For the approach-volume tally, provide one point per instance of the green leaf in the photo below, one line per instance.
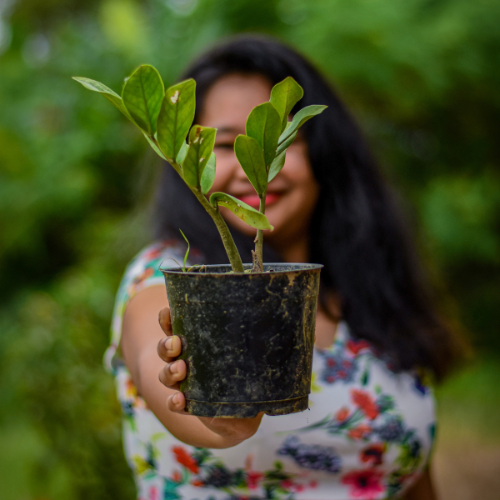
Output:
(284, 96)
(153, 145)
(282, 147)
(245, 212)
(201, 145)
(176, 116)
(181, 155)
(264, 125)
(187, 251)
(109, 94)
(276, 166)
(208, 176)
(252, 161)
(142, 95)
(301, 117)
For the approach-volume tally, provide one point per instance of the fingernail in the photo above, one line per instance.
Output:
(168, 344)
(176, 398)
(173, 368)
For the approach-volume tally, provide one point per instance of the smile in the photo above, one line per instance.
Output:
(254, 201)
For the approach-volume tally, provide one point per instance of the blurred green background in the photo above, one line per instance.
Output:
(422, 77)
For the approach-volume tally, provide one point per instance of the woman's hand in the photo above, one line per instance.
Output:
(230, 429)
(174, 370)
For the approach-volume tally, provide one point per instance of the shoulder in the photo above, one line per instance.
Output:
(143, 272)
(144, 269)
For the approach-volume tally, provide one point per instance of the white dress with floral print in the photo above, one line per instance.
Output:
(368, 432)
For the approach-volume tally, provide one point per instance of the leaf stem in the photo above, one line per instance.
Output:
(225, 234)
(259, 241)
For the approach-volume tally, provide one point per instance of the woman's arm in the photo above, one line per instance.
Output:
(142, 341)
(422, 489)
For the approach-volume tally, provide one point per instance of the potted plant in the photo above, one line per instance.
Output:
(247, 329)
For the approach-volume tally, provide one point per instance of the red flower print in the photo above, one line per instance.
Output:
(357, 345)
(373, 453)
(342, 414)
(365, 402)
(184, 458)
(153, 253)
(286, 484)
(176, 476)
(359, 432)
(364, 484)
(198, 483)
(153, 493)
(253, 479)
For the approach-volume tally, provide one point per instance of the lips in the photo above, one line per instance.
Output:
(254, 201)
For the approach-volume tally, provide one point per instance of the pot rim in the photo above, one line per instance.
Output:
(177, 269)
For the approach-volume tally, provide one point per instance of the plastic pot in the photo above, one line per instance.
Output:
(247, 339)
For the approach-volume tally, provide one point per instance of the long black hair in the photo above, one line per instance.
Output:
(357, 231)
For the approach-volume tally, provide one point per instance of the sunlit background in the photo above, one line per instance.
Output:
(423, 79)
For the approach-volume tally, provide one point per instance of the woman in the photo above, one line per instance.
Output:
(370, 427)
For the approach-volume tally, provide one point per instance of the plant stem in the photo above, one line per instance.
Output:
(259, 241)
(227, 239)
(225, 234)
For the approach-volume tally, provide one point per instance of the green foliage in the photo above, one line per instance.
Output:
(142, 95)
(264, 125)
(176, 117)
(201, 145)
(284, 96)
(278, 163)
(243, 211)
(171, 113)
(186, 255)
(208, 175)
(109, 94)
(301, 117)
(251, 159)
(75, 180)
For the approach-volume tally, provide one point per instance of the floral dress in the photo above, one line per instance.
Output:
(368, 432)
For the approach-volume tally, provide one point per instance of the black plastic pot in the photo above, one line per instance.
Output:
(247, 338)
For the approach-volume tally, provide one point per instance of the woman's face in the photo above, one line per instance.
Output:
(291, 195)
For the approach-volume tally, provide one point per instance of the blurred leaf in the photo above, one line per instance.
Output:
(201, 145)
(284, 96)
(264, 125)
(142, 96)
(243, 211)
(251, 159)
(176, 117)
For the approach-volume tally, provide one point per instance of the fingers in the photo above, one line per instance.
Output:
(165, 320)
(175, 370)
(169, 348)
(173, 373)
(176, 403)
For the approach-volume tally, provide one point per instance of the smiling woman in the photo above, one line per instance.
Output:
(370, 427)
(291, 196)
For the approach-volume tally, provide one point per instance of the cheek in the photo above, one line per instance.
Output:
(298, 169)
